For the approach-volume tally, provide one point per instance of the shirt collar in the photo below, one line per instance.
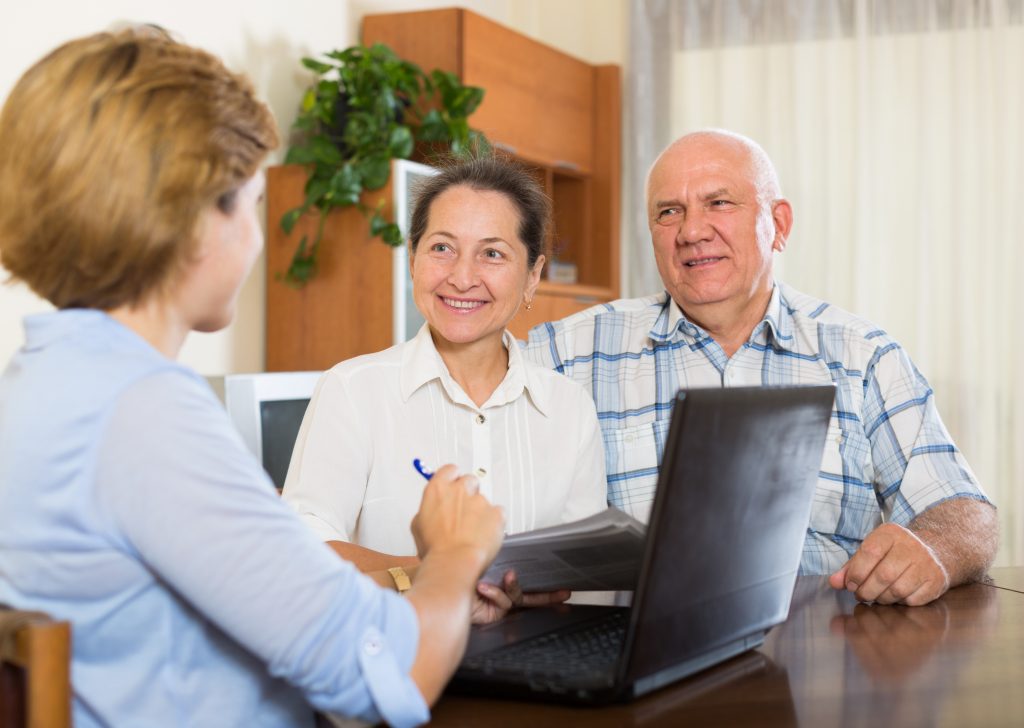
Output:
(43, 329)
(421, 363)
(777, 322)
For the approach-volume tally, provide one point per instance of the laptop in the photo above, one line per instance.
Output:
(720, 561)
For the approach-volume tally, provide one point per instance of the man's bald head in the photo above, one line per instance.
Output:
(761, 171)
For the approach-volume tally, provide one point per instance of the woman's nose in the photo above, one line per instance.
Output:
(463, 274)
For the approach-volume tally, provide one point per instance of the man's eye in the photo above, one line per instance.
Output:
(669, 214)
(721, 203)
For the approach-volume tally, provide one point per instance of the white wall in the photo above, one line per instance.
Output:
(265, 39)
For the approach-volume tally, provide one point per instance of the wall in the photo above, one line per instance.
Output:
(265, 39)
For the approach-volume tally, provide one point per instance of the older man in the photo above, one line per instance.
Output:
(897, 516)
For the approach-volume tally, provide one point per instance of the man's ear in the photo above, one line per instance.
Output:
(782, 216)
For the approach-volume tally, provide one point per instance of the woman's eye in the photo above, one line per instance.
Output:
(439, 248)
(492, 254)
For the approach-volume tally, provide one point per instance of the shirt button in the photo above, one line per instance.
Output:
(629, 438)
(480, 419)
(372, 647)
(480, 472)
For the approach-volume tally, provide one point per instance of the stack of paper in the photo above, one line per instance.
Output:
(599, 553)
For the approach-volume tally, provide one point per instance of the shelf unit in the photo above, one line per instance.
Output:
(556, 114)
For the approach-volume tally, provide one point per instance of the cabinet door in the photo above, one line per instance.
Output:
(538, 101)
(548, 307)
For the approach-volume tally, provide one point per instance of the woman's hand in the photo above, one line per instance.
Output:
(455, 518)
(493, 602)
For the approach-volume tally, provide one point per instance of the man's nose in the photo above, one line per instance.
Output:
(695, 227)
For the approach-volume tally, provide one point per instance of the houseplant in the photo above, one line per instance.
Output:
(367, 107)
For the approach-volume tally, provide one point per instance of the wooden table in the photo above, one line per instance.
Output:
(958, 661)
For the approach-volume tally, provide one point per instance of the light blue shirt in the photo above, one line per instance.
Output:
(888, 456)
(130, 507)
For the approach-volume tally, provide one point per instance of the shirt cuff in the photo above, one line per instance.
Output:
(385, 660)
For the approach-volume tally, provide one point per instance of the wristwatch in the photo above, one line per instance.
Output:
(402, 583)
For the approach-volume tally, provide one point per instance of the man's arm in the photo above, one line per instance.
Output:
(951, 543)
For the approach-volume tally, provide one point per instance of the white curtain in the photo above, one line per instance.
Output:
(898, 132)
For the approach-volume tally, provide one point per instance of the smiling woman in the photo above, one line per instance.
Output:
(459, 392)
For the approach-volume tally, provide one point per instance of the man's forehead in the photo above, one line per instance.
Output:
(699, 177)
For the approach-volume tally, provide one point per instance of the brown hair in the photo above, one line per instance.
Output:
(113, 145)
(492, 175)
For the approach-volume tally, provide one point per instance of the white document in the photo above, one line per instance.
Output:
(599, 553)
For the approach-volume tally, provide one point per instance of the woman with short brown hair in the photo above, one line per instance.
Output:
(129, 170)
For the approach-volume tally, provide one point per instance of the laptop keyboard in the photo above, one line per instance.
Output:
(584, 654)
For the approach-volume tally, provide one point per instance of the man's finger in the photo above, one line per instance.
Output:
(904, 586)
(886, 572)
(862, 563)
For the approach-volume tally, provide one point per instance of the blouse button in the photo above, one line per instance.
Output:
(480, 419)
(480, 472)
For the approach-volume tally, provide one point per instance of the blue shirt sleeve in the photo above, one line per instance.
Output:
(183, 495)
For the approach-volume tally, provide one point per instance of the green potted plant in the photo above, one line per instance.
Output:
(367, 107)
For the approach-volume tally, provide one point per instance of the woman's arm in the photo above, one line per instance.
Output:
(458, 533)
(368, 560)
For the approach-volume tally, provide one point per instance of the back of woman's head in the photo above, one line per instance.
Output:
(489, 174)
(113, 145)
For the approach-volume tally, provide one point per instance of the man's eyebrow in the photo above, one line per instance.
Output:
(667, 203)
(720, 192)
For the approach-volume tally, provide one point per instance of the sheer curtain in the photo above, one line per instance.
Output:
(898, 132)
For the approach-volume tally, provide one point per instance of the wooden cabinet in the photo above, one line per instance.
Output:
(346, 309)
(555, 113)
(559, 116)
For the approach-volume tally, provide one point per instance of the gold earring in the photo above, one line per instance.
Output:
(529, 305)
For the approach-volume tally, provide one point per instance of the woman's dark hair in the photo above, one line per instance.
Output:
(489, 174)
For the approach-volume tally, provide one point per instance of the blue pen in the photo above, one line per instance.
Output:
(422, 469)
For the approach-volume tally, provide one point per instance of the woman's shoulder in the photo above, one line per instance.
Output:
(368, 366)
(558, 389)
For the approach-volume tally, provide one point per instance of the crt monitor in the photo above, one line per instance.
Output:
(267, 409)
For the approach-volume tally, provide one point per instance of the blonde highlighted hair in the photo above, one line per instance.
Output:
(110, 149)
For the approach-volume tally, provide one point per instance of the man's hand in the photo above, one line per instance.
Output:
(893, 566)
(494, 602)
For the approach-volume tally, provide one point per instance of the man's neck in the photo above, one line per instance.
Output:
(728, 324)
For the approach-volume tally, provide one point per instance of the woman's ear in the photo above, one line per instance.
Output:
(533, 278)
(409, 254)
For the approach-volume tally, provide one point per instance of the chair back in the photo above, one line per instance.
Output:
(35, 670)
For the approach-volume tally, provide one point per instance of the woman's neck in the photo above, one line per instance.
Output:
(155, 322)
(478, 367)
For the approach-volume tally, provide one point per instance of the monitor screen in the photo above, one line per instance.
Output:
(279, 423)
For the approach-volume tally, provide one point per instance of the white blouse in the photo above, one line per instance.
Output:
(535, 445)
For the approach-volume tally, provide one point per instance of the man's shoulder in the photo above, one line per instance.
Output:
(633, 313)
(812, 314)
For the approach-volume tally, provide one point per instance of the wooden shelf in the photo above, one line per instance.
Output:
(557, 115)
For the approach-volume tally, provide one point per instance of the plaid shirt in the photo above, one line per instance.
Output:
(887, 454)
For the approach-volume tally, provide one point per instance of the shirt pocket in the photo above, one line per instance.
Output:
(632, 456)
(844, 499)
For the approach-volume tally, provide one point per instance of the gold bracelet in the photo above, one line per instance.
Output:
(402, 582)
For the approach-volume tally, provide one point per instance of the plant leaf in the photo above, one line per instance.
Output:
(316, 66)
(375, 171)
(392, 235)
(401, 142)
(291, 217)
